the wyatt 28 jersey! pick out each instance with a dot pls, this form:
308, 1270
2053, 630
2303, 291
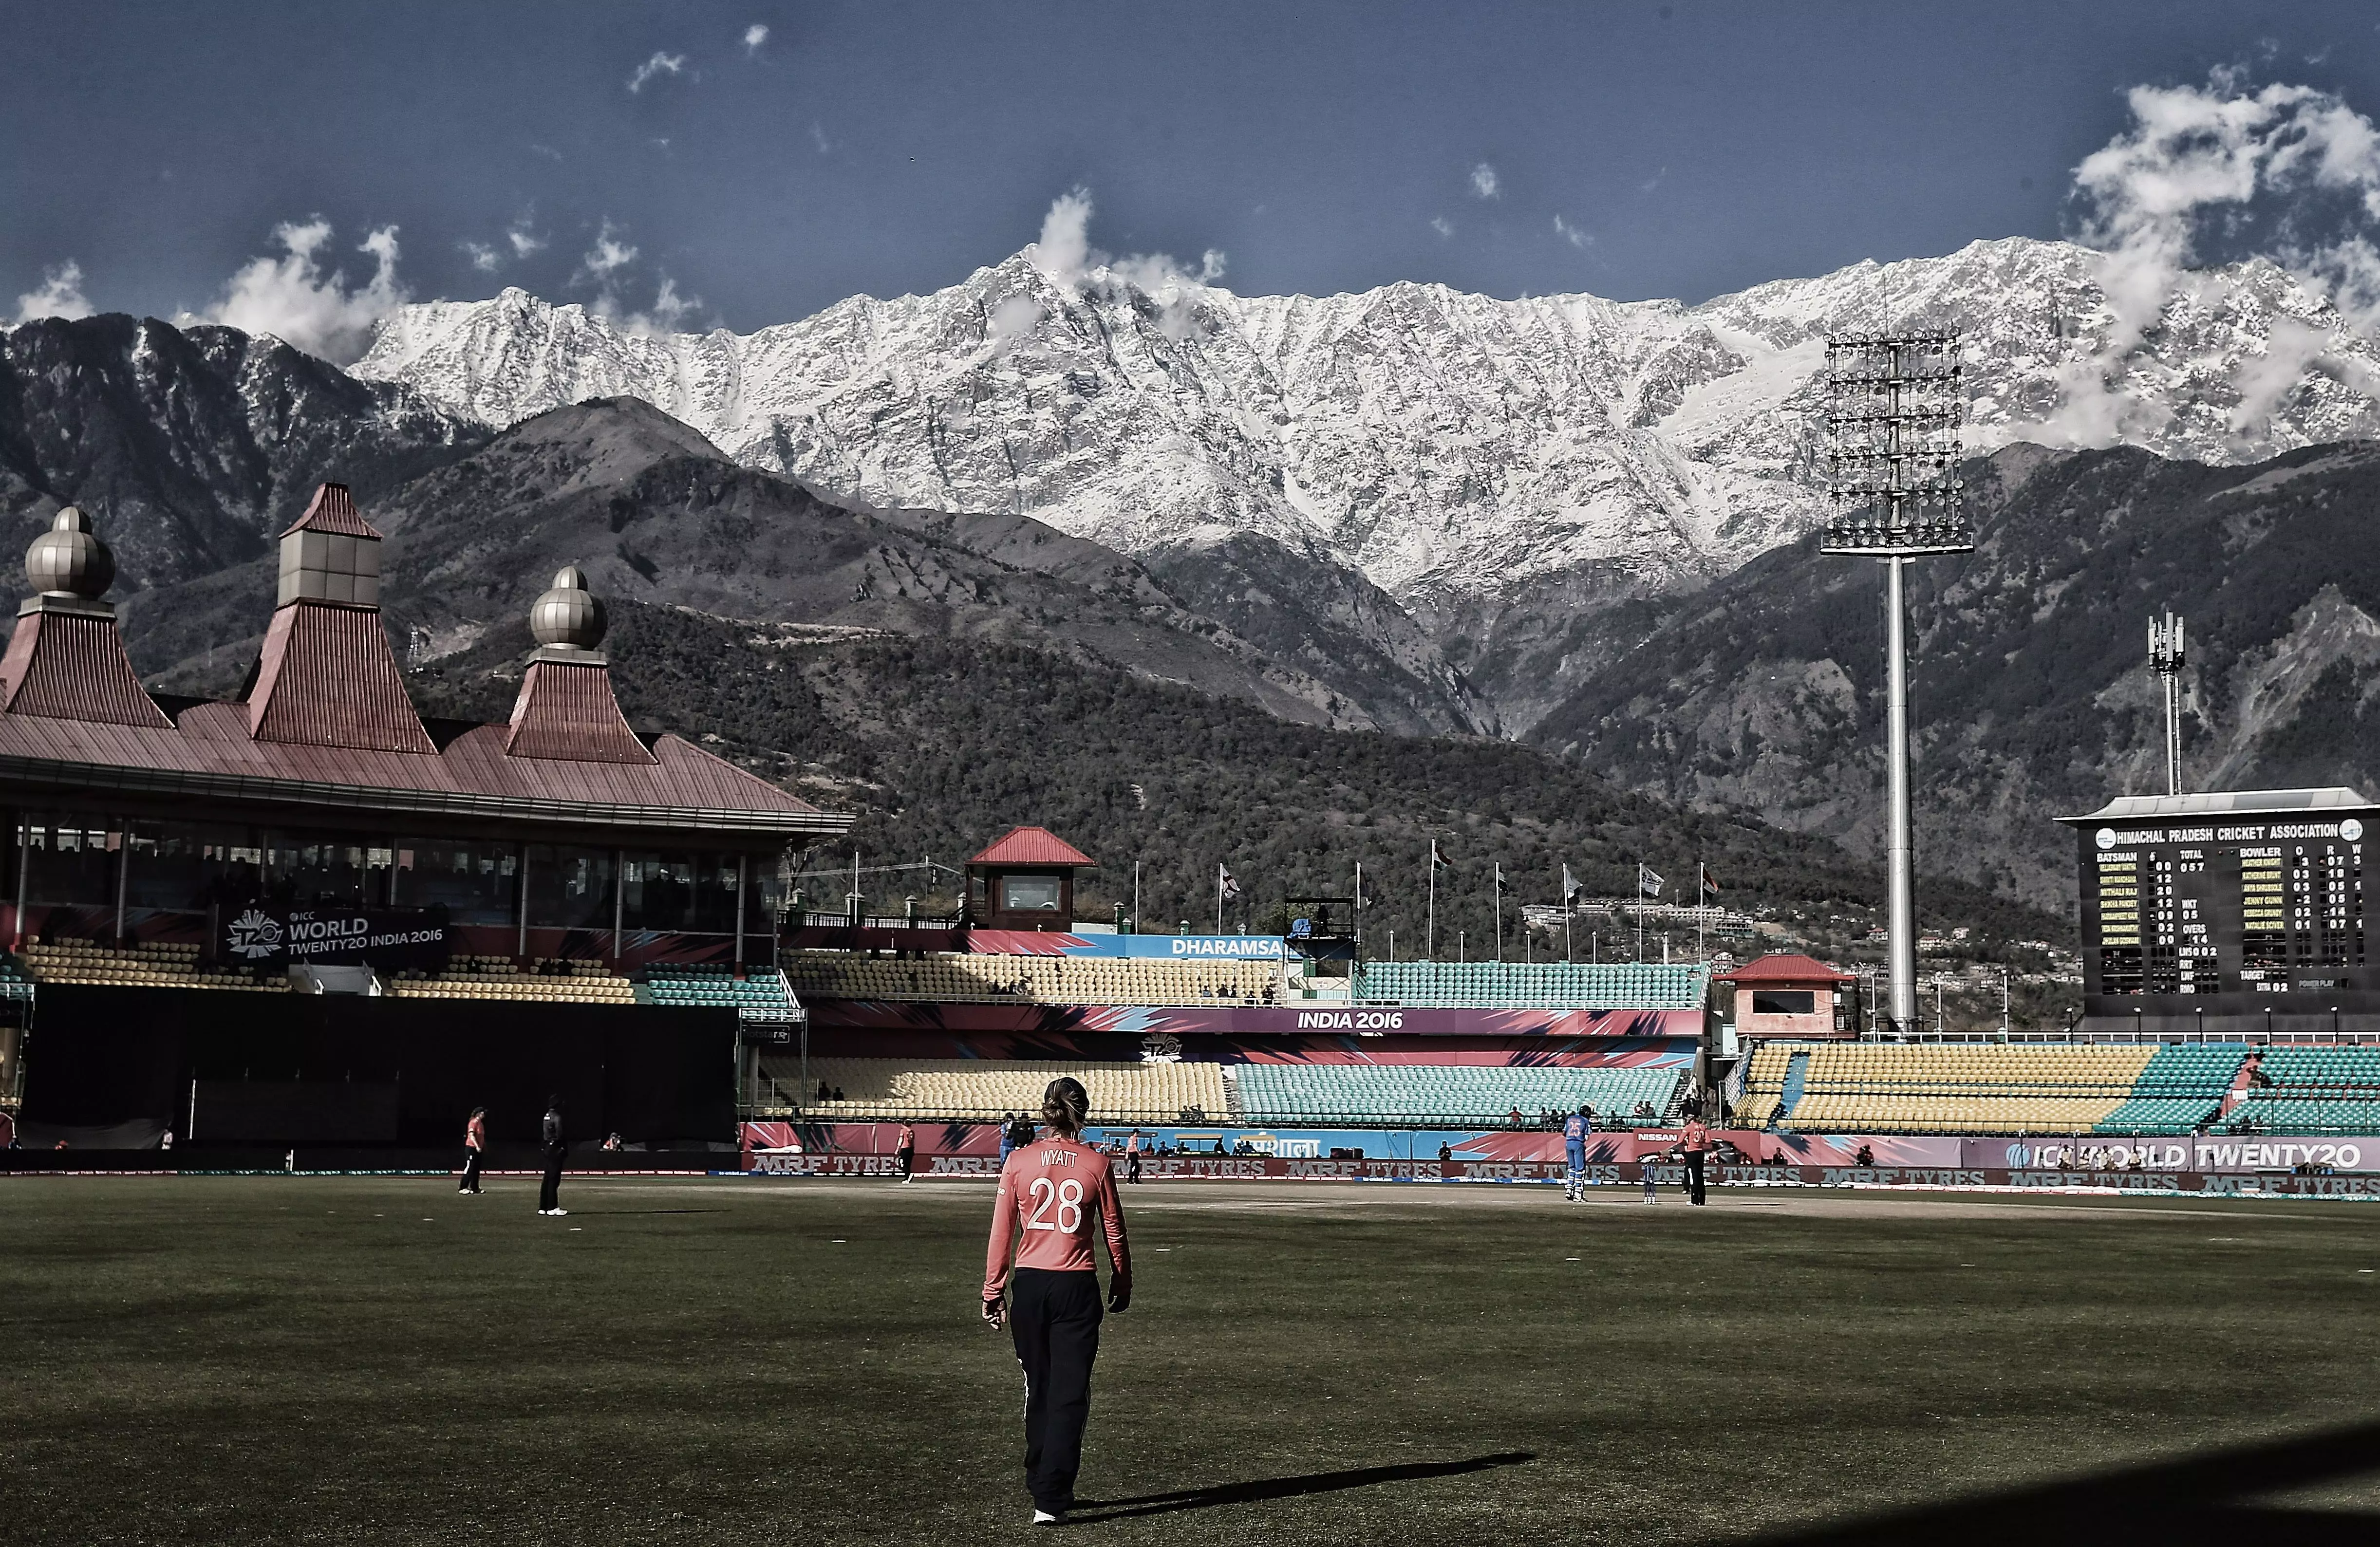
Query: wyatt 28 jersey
1050, 1193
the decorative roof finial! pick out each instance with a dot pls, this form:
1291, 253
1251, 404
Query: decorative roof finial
67, 560
568, 616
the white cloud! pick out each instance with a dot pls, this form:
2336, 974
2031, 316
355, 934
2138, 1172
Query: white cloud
1066, 258
754, 36
524, 240
59, 295
607, 256
483, 258
1484, 181
2292, 167
818, 138
1064, 251
1442, 225
669, 313
296, 300
659, 64
1572, 234
1012, 320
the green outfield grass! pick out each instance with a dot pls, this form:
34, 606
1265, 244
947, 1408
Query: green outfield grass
278, 1359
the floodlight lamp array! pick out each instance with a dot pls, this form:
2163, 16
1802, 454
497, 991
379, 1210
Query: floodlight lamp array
1894, 408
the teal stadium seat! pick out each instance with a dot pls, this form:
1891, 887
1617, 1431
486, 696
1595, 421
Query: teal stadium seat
2180, 1089
1535, 985
1427, 1094
2313, 1090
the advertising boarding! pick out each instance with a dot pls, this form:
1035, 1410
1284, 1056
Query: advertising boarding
1136, 947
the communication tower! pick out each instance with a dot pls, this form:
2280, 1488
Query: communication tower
2167, 657
1894, 406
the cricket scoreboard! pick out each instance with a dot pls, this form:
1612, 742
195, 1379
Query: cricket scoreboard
2229, 914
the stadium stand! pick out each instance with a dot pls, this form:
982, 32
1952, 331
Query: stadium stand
1042, 979
1538, 986
1894, 1088
146, 965
2311, 1090
497, 977
2180, 1089
759, 996
977, 1090
1425, 1095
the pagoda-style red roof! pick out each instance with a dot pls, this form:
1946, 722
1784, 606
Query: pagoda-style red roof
66, 662
1787, 967
1033, 846
327, 678
566, 709
333, 511
206, 750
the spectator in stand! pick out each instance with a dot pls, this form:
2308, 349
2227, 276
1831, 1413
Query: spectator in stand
1866, 1156
1516, 1116
475, 1148
614, 1144
904, 1150
825, 1093
1007, 1136
1445, 1161
1695, 1141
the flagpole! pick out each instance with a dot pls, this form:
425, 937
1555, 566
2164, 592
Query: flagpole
1136, 897
1429, 936
1499, 909
1359, 909
1639, 910
1219, 897
1702, 894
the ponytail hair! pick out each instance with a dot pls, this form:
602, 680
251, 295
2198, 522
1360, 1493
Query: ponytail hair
1065, 1106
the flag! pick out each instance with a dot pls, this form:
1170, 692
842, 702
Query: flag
1499, 876
1710, 882
1437, 859
1648, 884
1228, 883
1571, 887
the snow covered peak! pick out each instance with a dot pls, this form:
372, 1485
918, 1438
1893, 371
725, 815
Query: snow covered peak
1443, 443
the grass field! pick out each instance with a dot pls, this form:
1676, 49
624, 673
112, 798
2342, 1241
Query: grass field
300, 1360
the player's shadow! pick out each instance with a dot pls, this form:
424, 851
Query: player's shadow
1092, 1511
2210, 1498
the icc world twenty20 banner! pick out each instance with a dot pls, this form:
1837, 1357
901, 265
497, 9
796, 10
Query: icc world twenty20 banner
334, 937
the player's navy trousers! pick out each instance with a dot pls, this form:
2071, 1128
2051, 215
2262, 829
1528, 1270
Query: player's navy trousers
1695, 1173
548, 1191
1054, 1317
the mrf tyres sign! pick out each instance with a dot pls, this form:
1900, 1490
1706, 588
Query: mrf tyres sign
381, 938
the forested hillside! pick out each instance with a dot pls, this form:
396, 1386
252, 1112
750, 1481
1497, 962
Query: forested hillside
941, 745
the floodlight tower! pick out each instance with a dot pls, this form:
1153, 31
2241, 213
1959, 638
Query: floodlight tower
1894, 406
2167, 657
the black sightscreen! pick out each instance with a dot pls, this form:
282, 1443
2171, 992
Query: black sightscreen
653, 1074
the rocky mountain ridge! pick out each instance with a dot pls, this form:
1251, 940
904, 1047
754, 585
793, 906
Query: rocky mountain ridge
1460, 452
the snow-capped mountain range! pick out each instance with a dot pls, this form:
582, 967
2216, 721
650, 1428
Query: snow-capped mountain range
1451, 447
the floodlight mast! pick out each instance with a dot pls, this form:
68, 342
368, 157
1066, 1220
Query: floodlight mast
2167, 655
1894, 406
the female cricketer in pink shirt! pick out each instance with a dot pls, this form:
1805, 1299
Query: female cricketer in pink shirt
1050, 1194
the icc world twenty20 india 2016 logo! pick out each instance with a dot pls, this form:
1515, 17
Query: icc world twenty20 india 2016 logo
255, 934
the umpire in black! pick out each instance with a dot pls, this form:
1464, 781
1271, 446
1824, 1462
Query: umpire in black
549, 1194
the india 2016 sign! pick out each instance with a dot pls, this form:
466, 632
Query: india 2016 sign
381, 938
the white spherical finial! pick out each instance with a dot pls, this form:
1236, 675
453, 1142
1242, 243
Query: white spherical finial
67, 560
569, 614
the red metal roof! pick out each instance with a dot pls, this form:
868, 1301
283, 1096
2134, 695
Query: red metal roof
67, 662
1787, 967
566, 709
207, 750
1033, 846
333, 511
328, 679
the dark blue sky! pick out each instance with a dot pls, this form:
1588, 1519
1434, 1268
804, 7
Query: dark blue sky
1688, 148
